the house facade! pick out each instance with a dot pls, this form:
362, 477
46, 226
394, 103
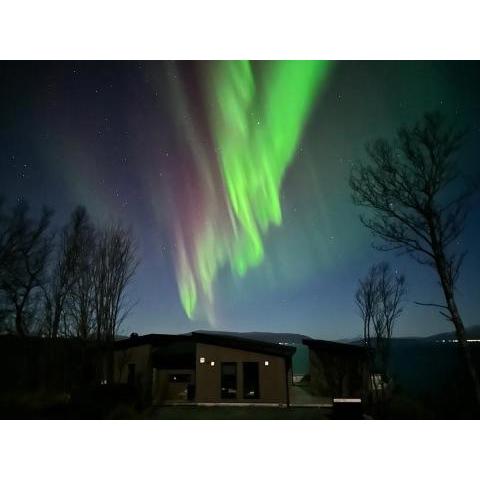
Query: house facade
338, 370
202, 368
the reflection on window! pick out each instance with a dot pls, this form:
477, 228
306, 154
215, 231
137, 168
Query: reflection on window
250, 380
229, 380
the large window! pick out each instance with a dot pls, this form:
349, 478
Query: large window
229, 380
250, 380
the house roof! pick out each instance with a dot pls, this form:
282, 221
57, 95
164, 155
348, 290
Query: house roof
228, 341
154, 339
326, 345
231, 341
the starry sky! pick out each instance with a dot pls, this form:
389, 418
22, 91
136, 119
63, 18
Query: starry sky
233, 177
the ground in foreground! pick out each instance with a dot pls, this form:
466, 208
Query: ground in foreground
240, 413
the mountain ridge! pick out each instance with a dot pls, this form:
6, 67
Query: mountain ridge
472, 332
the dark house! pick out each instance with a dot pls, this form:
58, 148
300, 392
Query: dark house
204, 368
337, 370
197, 368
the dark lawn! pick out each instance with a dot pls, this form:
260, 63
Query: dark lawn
240, 413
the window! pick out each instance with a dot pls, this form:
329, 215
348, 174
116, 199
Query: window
179, 378
250, 380
229, 380
131, 374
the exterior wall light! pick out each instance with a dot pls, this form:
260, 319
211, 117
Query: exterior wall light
202, 359
212, 364
266, 363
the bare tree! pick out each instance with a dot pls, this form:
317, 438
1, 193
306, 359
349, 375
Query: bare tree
411, 189
379, 298
114, 265
24, 248
66, 273
79, 303
366, 298
6, 252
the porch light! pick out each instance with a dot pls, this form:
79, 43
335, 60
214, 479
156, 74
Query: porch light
266, 363
202, 359
212, 364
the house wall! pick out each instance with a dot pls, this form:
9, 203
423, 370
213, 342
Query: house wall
140, 356
163, 391
272, 381
337, 374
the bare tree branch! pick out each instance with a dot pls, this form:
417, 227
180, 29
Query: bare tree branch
411, 189
431, 305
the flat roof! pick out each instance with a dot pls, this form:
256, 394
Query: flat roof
153, 339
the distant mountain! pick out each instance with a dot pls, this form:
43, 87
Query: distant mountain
472, 332
354, 340
271, 337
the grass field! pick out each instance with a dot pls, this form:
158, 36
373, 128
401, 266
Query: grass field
239, 413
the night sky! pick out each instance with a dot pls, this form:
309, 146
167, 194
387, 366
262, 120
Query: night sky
269, 241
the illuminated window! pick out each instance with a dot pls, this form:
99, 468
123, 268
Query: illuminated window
202, 359
212, 364
266, 363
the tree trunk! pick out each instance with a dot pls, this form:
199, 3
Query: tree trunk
56, 322
19, 323
447, 283
459, 329
467, 356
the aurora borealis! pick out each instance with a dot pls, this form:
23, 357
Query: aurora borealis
233, 177
256, 124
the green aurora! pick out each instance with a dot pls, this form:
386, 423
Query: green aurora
256, 114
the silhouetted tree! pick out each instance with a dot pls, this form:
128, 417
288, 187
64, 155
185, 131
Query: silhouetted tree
81, 297
379, 297
407, 185
113, 267
114, 264
25, 244
6, 252
65, 308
